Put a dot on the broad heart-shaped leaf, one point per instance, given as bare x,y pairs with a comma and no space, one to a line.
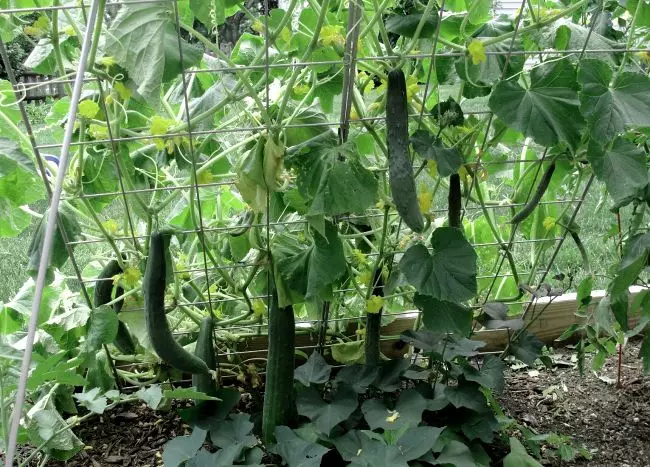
235,431
19,183
447,160
496,317
466,394
441,316
622,168
360,377
457,454
407,412
548,111
480,425
331,177
450,273
326,415
143,40
295,451
314,371
44,423
518,456
611,107
490,375
59,253
182,448
102,327
634,261
406,25
451,345
527,348
312,271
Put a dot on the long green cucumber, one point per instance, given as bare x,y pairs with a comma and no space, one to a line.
205,351
372,349
154,285
454,201
537,196
400,168
278,394
103,290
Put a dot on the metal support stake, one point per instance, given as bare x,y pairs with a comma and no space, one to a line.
49,237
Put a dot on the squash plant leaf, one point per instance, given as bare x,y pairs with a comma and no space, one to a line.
295,451
102,327
179,450
311,272
457,454
314,371
442,316
548,111
19,183
611,107
144,41
490,375
622,168
406,25
518,456
225,433
452,346
527,348
407,412
447,160
449,274
634,261
323,414
331,177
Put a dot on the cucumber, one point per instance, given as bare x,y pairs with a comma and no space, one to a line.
372,349
400,168
205,351
454,200
537,196
243,223
154,285
279,404
103,290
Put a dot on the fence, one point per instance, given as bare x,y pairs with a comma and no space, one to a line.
134,169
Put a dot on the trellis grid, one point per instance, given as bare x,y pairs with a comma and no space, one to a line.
207,266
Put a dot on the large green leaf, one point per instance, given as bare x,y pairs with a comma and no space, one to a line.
442,316
527,348
314,371
611,107
407,412
489,375
448,274
325,415
311,272
634,261
457,454
518,456
295,451
102,327
548,110
19,183
331,177
45,424
14,220
144,40
182,448
406,25
622,168
447,347
447,160
59,253
23,300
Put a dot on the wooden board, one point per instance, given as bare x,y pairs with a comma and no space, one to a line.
558,314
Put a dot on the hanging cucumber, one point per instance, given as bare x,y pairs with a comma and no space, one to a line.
103,291
372,349
205,351
454,200
400,168
278,393
243,223
154,285
537,196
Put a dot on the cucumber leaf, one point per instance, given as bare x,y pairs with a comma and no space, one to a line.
449,273
611,107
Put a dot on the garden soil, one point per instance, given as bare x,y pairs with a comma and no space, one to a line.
612,423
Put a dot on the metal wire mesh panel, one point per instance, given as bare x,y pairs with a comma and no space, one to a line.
266,155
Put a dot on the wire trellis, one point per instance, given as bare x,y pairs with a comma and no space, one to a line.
207,267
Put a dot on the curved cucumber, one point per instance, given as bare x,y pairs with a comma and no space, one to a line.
278,393
372,347
103,289
154,285
400,168
205,351
537,196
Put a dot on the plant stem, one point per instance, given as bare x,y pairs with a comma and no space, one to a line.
96,33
